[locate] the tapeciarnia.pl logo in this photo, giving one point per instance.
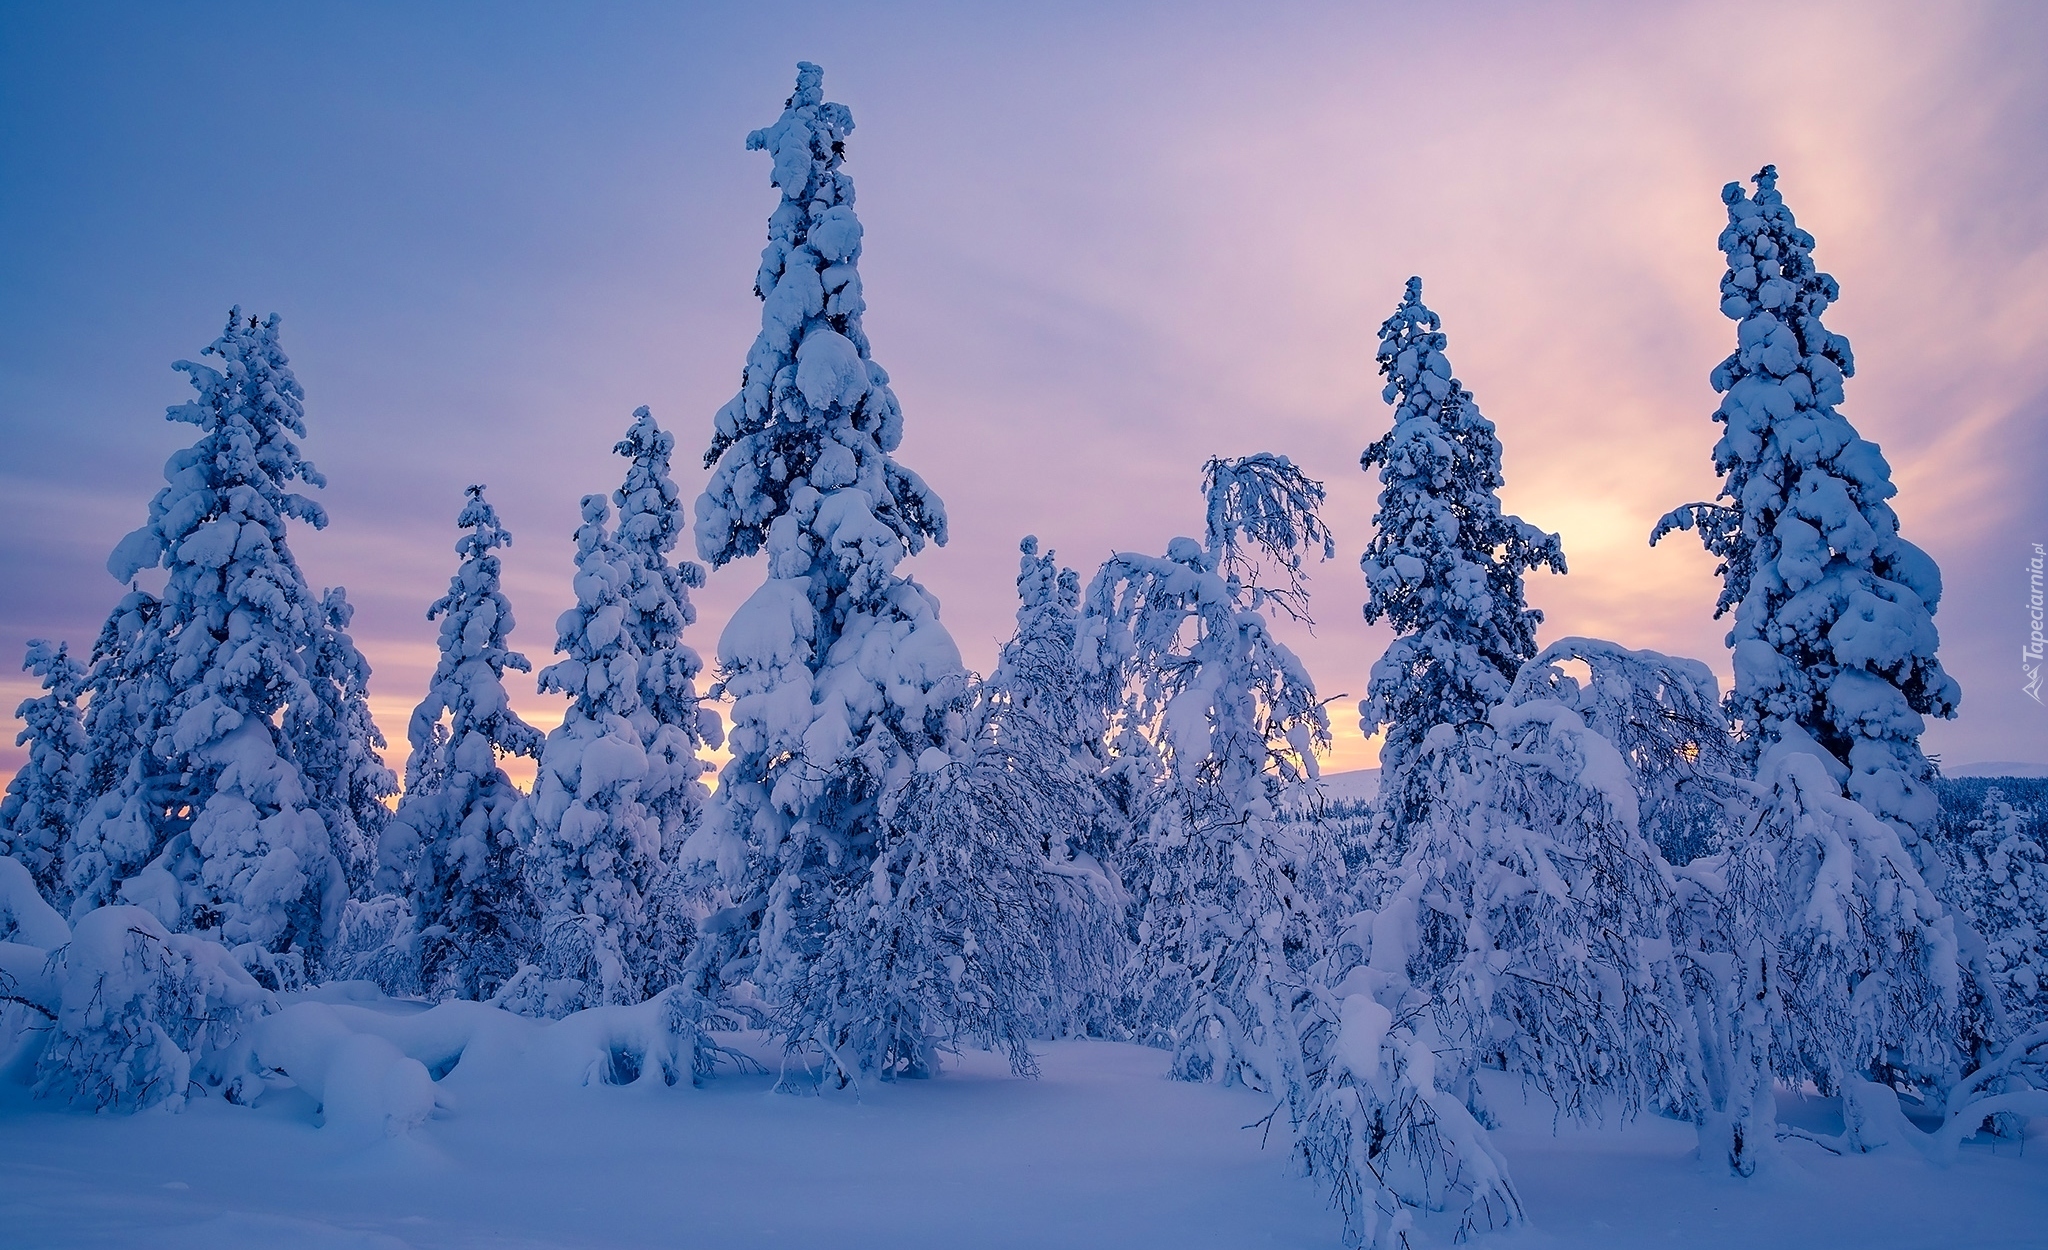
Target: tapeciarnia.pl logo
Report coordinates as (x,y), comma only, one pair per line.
(2030,655)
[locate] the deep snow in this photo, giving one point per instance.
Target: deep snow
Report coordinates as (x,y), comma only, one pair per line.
(1101,1151)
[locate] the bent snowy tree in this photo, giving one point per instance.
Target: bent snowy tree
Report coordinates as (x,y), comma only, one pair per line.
(1226,932)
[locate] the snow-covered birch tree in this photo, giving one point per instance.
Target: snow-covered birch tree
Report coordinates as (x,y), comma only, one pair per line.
(1226,933)
(841,675)
(453,846)
(1380,1131)
(1041,711)
(1530,929)
(1663,714)
(1445,564)
(36,815)
(1845,969)
(1543,917)
(1834,632)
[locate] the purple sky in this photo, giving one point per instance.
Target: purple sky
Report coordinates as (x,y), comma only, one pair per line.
(1103,244)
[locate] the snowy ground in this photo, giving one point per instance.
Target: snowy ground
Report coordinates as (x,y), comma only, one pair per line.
(1102,1151)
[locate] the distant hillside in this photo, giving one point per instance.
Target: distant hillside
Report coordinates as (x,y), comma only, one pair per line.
(1358,786)
(1998,768)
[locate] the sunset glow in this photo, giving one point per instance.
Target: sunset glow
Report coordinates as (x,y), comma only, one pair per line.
(1115,250)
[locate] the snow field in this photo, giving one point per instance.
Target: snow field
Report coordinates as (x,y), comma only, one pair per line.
(1102,1150)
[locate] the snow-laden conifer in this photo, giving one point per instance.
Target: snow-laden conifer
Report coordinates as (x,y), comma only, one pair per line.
(1834,633)
(226,653)
(1445,564)
(131,802)
(36,816)
(453,846)
(672,723)
(1664,715)
(1226,934)
(594,851)
(1040,692)
(841,675)
(336,744)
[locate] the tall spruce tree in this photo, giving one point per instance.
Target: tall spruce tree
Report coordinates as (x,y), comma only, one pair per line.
(1445,564)
(1226,932)
(594,851)
(1836,961)
(843,680)
(36,816)
(1834,636)
(241,850)
(452,846)
(671,720)
(674,725)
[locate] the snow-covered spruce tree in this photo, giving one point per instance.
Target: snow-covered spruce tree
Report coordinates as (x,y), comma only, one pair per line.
(1664,715)
(36,816)
(1444,567)
(1834,632)
(452,847)
(593,850)
(672,724)
(336,744)
(1226,935)
(841,675)
(1999,883)
(130,802)
(1042,710)
(1834,655)
(223,656)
